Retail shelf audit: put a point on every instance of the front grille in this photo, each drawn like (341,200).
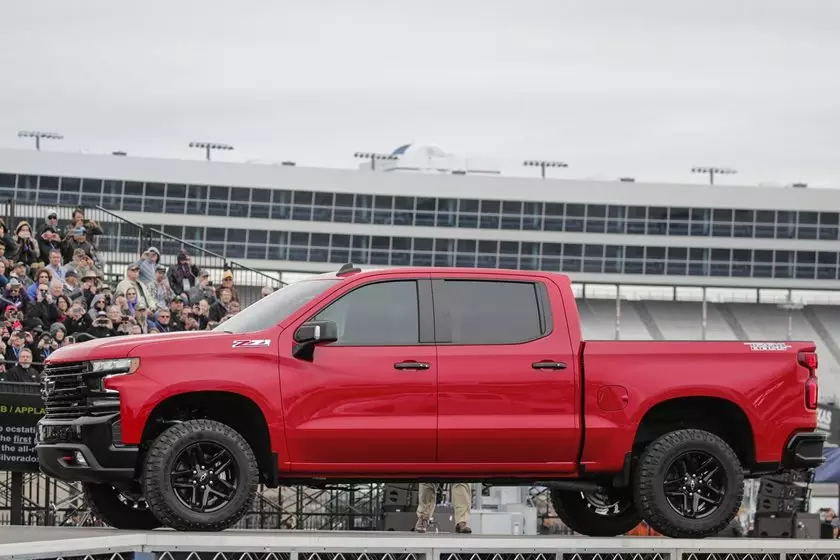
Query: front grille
(65,391)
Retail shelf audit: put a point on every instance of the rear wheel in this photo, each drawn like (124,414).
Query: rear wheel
(601,513)
(119,509)
(200,475)
(689,484)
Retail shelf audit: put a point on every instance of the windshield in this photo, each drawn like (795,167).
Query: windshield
(274,308)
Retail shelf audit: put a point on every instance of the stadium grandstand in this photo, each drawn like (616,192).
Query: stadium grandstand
(649,261)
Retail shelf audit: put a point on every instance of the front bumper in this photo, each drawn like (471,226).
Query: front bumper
(804,450)
(58,441)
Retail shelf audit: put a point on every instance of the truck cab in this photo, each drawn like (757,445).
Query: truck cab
(426,374)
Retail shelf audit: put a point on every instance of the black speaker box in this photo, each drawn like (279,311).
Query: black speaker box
(807,526)
(404,496)
(775,489)
(772,526)
(779,505)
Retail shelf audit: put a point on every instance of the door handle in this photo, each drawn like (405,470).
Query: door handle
(411,364)
(546,364)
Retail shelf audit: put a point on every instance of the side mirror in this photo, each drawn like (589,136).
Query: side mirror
(310,334)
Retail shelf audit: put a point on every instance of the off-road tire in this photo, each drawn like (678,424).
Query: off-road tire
(650,479)
(571,508)
(104,502)
(159,463)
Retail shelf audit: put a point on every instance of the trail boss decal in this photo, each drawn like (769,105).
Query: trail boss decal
(768,346)
(259,343)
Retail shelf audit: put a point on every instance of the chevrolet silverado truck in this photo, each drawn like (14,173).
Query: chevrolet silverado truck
(426,374)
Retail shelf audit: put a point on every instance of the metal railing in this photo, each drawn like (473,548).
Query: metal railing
(166,545)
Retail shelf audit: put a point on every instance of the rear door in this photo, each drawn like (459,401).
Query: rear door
(369,400)
(507,391)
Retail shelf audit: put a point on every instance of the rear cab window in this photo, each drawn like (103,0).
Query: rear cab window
(490,312)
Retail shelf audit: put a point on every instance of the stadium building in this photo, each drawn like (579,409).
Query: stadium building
(650,261)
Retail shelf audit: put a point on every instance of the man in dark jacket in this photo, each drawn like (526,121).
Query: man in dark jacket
(22,372)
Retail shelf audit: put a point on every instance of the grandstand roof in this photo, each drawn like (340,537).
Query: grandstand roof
(419,184)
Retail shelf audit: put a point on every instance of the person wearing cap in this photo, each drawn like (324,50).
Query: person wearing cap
(51,221)
(183,275)
(27,248)
(132,280)
(203,290)
(16,295)
(141,317)
(162,289)
(72,287)
(77,239)
(227,282)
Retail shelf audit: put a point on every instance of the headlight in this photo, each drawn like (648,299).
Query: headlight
(120,366)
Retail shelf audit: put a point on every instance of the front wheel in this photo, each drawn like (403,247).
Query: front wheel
(689,484)
(200,475)
(601,513)
(118,509)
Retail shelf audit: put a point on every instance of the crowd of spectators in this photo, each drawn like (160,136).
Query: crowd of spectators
(53,292)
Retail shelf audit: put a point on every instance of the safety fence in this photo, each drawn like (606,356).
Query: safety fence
(234,545)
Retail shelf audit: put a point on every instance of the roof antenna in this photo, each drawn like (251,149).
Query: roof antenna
(348,268)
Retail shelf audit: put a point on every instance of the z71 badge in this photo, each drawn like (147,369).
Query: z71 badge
(259,343)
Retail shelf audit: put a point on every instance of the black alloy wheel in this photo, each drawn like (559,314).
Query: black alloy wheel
(695,484)
(121,509)
(599,513)
(605,503)
(204,477)
(200,475)
(688,484)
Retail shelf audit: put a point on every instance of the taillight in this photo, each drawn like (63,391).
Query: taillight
(809,360)
(811,393)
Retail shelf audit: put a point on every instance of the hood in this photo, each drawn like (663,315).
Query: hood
(125,346)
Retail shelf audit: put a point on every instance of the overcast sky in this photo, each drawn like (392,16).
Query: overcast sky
(646,88)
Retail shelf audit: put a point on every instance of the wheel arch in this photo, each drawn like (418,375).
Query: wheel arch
(714,414)
(233,409)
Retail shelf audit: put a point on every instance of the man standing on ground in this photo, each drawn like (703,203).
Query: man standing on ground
(461,501)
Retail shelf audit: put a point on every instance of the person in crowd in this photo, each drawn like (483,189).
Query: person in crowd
(227,282)
(7,240)
(22,372)
(56,268)
(43,278)
(132,277)
(183,276)
(48,240)
(204,289)
(53,293)
(220,307)
(266,291)
(163,291)
(28,251)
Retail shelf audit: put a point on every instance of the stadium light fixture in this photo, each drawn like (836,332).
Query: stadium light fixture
(712,171)
(210,146)
(373,156)
(37,135)
(542,164)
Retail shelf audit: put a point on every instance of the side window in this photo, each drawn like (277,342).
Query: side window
(379,314)
(493,312)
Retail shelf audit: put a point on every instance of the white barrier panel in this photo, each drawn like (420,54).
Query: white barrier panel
(46,543)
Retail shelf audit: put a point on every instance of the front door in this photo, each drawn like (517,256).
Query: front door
(498,406)
(371,397)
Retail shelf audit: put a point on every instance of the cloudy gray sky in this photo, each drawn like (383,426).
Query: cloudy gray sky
(647,88)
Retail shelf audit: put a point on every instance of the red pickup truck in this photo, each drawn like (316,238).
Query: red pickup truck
(426,374)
